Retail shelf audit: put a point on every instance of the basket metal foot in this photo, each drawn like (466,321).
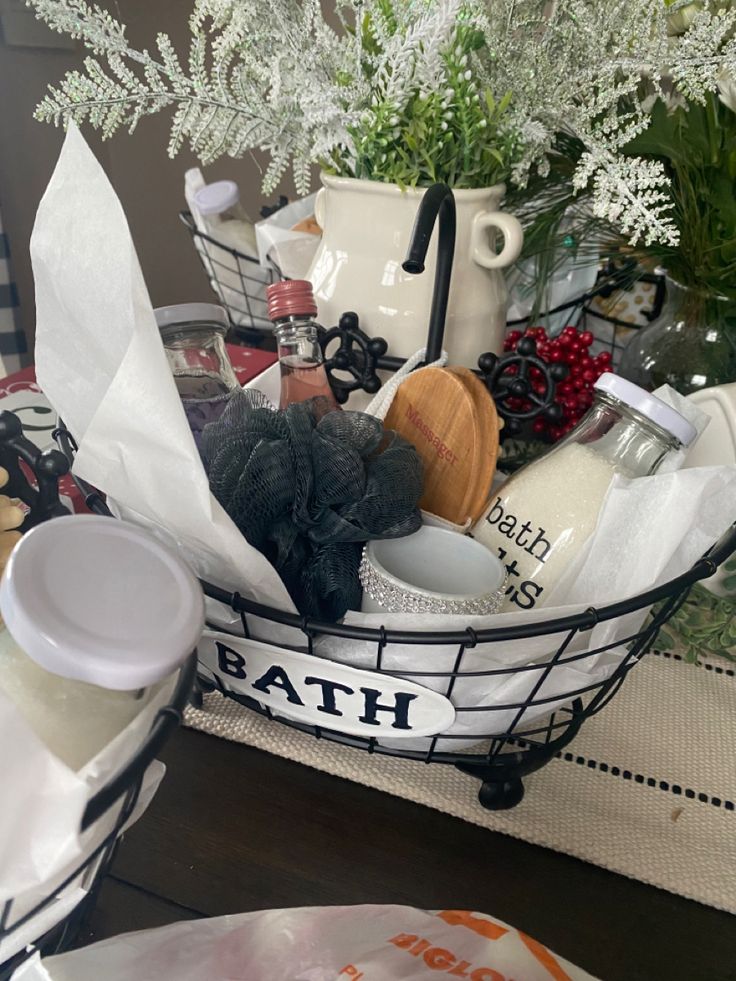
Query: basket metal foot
(500,795)
(200,688)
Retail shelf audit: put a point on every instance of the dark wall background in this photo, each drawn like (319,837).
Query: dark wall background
(149,184)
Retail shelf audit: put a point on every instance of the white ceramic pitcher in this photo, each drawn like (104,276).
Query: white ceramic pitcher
(366,230)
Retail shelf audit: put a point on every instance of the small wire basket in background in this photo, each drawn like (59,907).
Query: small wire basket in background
(624,299)
(240,282)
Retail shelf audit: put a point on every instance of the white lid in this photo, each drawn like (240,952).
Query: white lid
(187,313)
(102,601)
(648,405)
(212,199)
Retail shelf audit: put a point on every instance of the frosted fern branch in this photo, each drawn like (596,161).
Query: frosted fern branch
(468,91)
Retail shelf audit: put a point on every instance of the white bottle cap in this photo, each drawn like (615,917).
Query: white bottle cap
(648,405)
(183,314)
(213,199)
(101,601)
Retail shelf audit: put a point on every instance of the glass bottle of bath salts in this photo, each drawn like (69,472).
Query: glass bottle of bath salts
(292,309)
(98,615)
(539,520)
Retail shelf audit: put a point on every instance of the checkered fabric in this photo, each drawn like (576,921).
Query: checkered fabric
(13,344)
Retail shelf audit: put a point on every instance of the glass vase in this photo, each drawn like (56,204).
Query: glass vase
(691,345)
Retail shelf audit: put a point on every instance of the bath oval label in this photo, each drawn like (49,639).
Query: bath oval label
(323,693)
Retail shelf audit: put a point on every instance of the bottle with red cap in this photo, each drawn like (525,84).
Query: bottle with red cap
(292,309)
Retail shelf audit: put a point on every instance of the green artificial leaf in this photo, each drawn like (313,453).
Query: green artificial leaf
(705,623)
(722,195)
(696,141)
(727,253)
(664,641)
(662,138)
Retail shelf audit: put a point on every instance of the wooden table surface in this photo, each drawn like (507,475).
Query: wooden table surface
(234,829)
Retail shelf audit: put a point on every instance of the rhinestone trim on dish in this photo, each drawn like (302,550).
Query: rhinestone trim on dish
(408,599)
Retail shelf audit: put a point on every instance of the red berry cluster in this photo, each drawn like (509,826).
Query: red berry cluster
(575,394)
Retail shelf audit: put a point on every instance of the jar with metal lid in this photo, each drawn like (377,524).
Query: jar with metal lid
(98,614)
(194,339)
(540,519)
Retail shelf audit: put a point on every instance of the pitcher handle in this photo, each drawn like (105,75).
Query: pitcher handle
(513,235)
(319,208)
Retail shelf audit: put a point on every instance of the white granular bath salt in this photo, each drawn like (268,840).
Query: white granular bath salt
(539,521)
(74,719)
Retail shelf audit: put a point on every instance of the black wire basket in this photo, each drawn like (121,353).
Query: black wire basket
(504,754)
(240,283)
(505,742)
(50,922)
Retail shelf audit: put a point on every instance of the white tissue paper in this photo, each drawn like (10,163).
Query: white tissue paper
(278,244)
(40,840)
(102,365)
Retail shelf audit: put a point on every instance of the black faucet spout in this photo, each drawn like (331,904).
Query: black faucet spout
(437,202)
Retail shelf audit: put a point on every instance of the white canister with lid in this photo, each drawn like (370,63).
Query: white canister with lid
(224,217)
(97,614)
(540,519)
(717,445)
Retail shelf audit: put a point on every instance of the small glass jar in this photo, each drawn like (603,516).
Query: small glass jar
(194,339)
(292,309)
(97,615)
(540,519)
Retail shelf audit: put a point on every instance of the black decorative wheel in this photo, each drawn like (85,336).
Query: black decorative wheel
(46,468)
(518,397)
(356,355)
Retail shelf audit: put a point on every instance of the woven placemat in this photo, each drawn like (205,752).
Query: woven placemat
(646,789)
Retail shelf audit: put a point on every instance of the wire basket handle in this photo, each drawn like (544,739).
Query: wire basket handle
(438,203)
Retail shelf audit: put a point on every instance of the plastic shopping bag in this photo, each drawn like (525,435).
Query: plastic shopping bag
(340,943)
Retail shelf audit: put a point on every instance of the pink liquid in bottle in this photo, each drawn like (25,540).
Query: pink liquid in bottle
(302,380)
(291,307)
